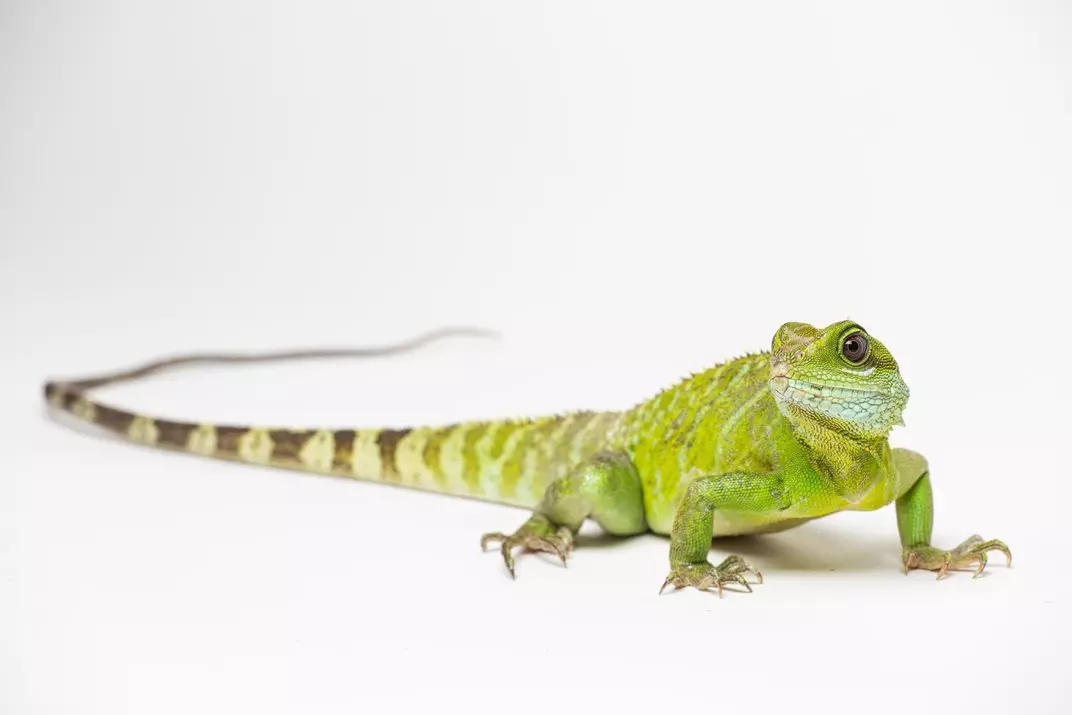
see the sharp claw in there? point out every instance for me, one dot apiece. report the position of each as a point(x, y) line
point(561, 549)
point(665, 584)
point(508, 557)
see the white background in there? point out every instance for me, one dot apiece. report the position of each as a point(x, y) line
point(628, 192)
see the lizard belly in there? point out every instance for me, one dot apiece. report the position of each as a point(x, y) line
point(738, 524)
point(730, 523)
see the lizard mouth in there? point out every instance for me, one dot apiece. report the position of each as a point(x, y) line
point(816, 389)
point(813, 395)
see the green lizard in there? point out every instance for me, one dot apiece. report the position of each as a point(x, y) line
point(758, 444)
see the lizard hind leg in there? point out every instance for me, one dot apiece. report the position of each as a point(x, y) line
point(606, 489)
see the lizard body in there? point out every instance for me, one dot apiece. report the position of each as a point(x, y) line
point(758, 444)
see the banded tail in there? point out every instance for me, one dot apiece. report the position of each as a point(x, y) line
point(508, 461)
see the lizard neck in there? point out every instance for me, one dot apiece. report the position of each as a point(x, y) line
point(853, 464)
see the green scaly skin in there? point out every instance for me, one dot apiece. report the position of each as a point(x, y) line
point(759, 444)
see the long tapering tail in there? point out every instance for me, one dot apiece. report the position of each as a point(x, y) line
point(508, 462)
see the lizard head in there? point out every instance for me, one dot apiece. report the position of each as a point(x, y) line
point(838, 376)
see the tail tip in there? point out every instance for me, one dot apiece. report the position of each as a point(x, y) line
point(52, 391)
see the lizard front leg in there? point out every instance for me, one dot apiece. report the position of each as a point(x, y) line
point(690, 538)
point(915, 521)
point(606, 489)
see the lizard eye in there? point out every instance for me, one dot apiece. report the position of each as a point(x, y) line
point(855, 348)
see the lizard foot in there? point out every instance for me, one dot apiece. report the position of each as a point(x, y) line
point(703, 575)
point(972, 551)
point(536, 534)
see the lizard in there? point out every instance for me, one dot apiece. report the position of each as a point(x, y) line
point(758, 444)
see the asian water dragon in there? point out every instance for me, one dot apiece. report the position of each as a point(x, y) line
point(758, 444)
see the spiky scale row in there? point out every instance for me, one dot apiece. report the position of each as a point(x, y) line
point(758, 444)
point(506, 461)
point(713, 421)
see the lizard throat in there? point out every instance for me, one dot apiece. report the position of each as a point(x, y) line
point(868, 409)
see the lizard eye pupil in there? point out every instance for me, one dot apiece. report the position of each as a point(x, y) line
point(854, 348)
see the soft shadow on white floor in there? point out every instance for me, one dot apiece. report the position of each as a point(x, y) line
point(811, 547)
point(815, 547)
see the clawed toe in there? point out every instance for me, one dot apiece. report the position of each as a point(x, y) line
point(737, 566)
point(972, 553)
point(538, 534)
point(704, 576)
point(489, 538)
